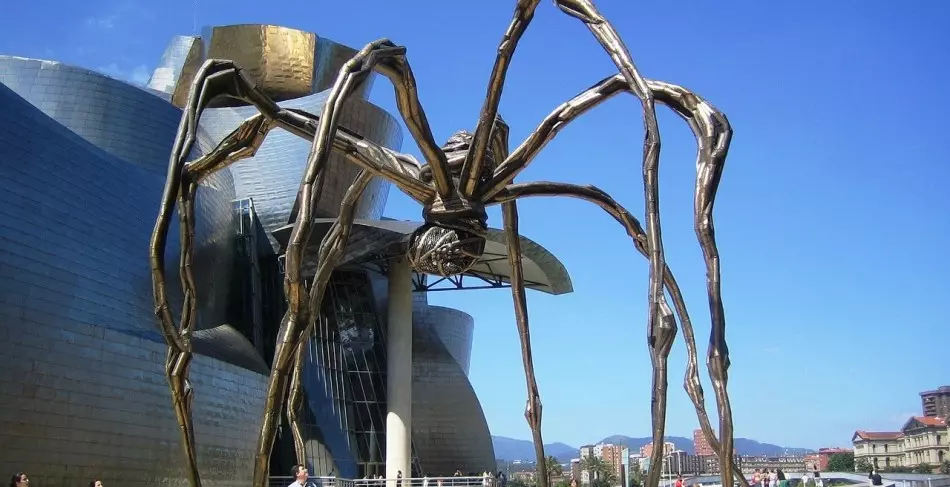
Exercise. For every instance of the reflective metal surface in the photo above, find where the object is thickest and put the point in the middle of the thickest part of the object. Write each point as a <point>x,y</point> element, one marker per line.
<point>96,108</point>
<point>272,176</point>
<point>279,60</point>
<point>81,368</point>
<point>449,430</point>
<point>75,309</point>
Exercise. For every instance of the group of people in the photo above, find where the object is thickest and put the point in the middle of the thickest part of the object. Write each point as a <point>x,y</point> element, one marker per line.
<point>302,479</point>
<point>21,479</point>
<point>769,478</point>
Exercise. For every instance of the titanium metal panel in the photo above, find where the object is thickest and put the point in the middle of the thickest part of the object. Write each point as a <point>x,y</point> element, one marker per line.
<point>83,387</point>
<point>454,328</point>
<point>109,114</point>
<point>127,122</point>
<point>272,177</point>
<point>449,430</point>
<point>181,60</point>
<point>280,60</point>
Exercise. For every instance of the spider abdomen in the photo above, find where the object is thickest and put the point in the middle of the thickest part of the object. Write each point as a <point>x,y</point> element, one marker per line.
<point>444,251</point>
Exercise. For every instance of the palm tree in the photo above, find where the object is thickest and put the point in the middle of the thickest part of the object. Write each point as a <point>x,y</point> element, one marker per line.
<point>598,470</point>
<point>552,467</point>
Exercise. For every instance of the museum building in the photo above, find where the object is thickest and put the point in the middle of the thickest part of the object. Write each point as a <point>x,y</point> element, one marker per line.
<point>83,159</point>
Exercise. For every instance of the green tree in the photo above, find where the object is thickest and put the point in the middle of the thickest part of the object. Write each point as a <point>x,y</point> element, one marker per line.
<point>863,465</point>
<point>517,483</point>
<point>635,476</point>
<point>923,468</point>
<point>552,468</point>
<point>945,467</point>
<point>597,469</point>
<point>841,462</point>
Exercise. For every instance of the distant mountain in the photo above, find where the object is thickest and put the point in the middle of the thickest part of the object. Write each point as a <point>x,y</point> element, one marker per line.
<point>511,449</point>
<point>743,446</point>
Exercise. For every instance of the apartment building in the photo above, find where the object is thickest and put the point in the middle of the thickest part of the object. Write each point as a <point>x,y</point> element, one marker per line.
<point>936,403</point>
<point>701,444</point>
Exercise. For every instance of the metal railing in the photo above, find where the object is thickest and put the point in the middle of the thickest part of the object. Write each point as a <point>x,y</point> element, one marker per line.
<point>480,481</point>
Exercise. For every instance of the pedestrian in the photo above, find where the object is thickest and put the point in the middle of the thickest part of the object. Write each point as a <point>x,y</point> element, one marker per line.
<point>20,480</point>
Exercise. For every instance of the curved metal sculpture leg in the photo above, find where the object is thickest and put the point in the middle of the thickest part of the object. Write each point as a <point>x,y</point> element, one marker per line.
<point>636,232</point>
<point>532,412</point>
<point>586,12</point>
<point>298,321</point>
<point>713,134</point>
<point>295,396</point>
<point>181,185</point>
<point>475,158</point>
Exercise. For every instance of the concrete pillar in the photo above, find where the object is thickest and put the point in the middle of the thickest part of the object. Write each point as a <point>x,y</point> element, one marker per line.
<point>399,372</point>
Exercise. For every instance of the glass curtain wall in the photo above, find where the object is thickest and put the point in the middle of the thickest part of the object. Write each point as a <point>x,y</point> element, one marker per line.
<point>349,343</point>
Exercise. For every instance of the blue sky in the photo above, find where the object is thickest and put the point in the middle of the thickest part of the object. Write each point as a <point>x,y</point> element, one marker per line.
<point>831,214</point>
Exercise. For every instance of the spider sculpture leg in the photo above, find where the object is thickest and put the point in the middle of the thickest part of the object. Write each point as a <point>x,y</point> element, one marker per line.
<point>636,232</point>
<point>586,12</point>
<point>181,185</point>
<point>217,78</point>
<point>475,158</point>
<point>294,401</point>
<point>390,60</point>
<point>290,345</point>
<point>713,134</point>
<point>532,410</point>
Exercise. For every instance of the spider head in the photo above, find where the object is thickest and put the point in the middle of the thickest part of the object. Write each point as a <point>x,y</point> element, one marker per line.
<point>446,251</point>
<point>457,147</point>
<point>455,150</point>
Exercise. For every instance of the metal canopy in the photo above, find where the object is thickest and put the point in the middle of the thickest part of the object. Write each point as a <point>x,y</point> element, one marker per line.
<point>373,242</point>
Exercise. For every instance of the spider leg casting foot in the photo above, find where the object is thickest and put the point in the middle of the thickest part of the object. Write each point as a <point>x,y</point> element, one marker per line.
<point>295,397</point>
<point>177,364</point>
<point>532,411</point>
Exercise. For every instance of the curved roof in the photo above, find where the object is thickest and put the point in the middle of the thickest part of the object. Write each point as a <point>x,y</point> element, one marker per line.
<point>373,239</point>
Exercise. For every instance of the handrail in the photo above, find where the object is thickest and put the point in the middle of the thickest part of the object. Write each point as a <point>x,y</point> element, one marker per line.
<point>319,481</point>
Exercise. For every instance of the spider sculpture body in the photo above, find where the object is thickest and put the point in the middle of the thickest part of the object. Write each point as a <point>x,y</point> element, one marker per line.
<point>459,180</point>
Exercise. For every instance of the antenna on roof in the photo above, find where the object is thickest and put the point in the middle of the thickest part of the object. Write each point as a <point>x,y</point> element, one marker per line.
<point>195,18</point>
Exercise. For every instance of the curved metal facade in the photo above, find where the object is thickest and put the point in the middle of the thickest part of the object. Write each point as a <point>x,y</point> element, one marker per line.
<point>453,328</point>
<point>181,54</point>
<point>82,165</point>
<point>274,56</point>
<point>83,367</point>
<point>127,122</point>
<point>449,430</point>
<point>272,177</point>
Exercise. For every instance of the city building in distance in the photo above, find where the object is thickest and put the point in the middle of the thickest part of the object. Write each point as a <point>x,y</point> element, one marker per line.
<point>936,402</point>
<point>700,445</point>
<point>83,162</point>
<point>647,450</point>
<point>922,444</point>
<point>880,449</point>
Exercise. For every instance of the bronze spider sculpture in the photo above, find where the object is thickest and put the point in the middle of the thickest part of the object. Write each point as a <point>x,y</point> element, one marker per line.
<point>459,180</point>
